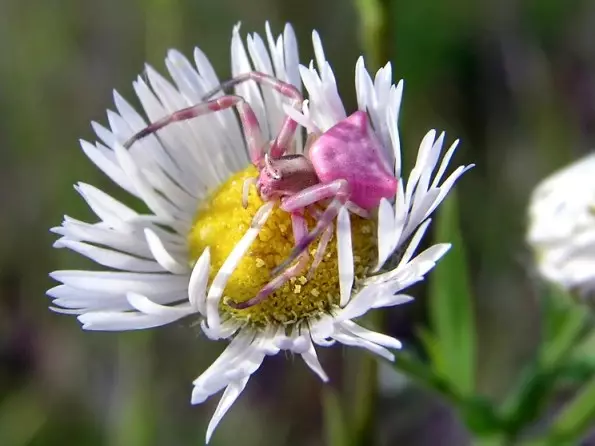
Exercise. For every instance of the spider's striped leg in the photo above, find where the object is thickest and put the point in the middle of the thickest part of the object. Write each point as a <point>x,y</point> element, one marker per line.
<point>252,131</point>
<point>289,126</point>
<point>300,230</point>
<point>338,190</point>
<point>325,238</point>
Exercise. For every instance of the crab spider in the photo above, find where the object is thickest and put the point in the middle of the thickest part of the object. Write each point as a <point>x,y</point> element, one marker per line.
<point>345,165</point>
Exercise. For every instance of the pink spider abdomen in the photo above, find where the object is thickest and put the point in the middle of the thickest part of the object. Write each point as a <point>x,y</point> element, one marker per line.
<point>349,150</point>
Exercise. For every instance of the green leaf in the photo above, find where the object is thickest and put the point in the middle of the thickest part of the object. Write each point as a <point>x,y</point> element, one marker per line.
<point>585,350</point>
<point>576,418</point>
<point>481,418</point>
<point>432,348</point>
<point>478,413</point>
<point>530,398</point>
<point>418,372</point>
<point>451,307</point>
<point>565,322</point>
<point>336,429</point>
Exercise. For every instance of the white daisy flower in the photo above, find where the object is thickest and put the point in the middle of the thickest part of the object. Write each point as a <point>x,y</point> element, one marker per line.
<point>562,226</point>
<point>197,248</point>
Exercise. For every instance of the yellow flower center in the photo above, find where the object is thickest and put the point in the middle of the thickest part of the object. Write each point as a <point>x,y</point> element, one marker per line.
<point>221,222</point>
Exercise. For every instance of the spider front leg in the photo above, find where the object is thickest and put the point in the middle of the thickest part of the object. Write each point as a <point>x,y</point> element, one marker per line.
<point>339,190</point>
<point>289,126</point>
<point>300,230</point>
<point>249,121</point>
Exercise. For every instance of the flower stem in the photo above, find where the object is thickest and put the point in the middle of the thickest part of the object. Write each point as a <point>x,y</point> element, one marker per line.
<point>373,31</point>
<point>366,388</point>
<point>132,416</point>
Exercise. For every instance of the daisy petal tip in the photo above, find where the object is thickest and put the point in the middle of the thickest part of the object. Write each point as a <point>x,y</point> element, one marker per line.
<point>55,309</point>
<point>197,397</point>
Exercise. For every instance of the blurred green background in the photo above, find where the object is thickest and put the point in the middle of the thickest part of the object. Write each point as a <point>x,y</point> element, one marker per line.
<point>515,80</point>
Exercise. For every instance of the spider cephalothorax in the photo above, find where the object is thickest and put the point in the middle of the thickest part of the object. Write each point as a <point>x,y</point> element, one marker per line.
<point>343,166</point>
<point>285,176</point>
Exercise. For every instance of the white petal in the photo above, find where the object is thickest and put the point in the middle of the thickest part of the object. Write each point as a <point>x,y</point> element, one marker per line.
<point>344,255</point>
<point>101,234</point>
<point>119,282</point>
<point>199,279</point>
<point>290,50</point>
<point>345,337</point>
<point>424,148</point>
<point>231,262</point>
<point>392,118</point>
<point>386,226</point>
<point>110,258</point>
<point>163,257</point>
<point>390,300</point>
<point>415,241</point>
<point>229,397</point>
<point>372,336</point>
<point>119,321</point>
<point>248,90</point>
<point>311,359</point>
<point>318,51</point>
<point>108,166</point>
<point>226,330</point>
<point>147,306</point>
<point>108,209</point>
<point>444,164</point>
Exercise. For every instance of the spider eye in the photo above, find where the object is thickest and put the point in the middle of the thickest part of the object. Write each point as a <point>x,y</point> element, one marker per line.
<point>273,174</point>
<point>270,170</point>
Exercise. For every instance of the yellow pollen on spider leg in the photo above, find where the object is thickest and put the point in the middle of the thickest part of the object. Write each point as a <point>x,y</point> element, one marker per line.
<point>221,222</point>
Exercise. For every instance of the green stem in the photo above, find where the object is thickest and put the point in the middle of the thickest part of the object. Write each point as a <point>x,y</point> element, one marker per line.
<point>133,414</point>
<point>336,429</point>
<point>366,387</point>
<point>373,31</point>
<point>362,376</point>
<point>373,34</point>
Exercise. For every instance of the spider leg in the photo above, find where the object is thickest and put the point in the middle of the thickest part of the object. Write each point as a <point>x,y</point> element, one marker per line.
<point>246,190</point>
<point>357,210</point>
<point>300,230</point>
<point>249,121</point>
<point>289,126</point>
<point>325,238</point>
<point>338,190</point>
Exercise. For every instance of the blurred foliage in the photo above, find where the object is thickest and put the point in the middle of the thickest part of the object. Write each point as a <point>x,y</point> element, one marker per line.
<point>515,80</point>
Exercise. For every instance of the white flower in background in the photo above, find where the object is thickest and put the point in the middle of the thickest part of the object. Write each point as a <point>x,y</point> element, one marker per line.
<point>562,226</point>
<point>195,247</point>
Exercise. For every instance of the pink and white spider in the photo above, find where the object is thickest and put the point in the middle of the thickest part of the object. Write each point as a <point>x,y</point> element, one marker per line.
<point>345,165</point>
